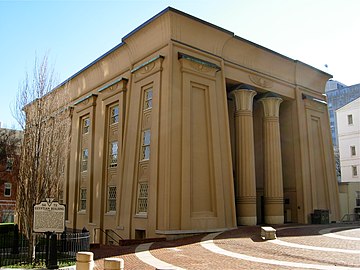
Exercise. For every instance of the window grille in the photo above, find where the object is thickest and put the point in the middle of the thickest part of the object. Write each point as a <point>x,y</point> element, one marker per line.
<point>148,99</point>
<point>7,189</point>
<point>142,198</point>
<point>114,115</point>
<point>84,161</point>
<point>145,148</point>
<point>86,125</point>
<point>113,154</point>
<point>112,198</point>
<point>350,119</point>
<point>82,199</point>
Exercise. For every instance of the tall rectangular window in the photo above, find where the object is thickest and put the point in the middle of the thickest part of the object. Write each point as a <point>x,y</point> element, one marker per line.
<point>82,205</point>
<point>86,125</point>
<point>9,164</point>
<point>145,148</point>
<point>112,198</point>
<point>84,160</point>
<point>354,171</point>
<point>357,198</point>
<point>142,205</point>
<point>148,99</point>
<point>350,119</point>
<point>353,150</point>
<point>7,189</point>
<point>114,115</point>
<point>113,158</point>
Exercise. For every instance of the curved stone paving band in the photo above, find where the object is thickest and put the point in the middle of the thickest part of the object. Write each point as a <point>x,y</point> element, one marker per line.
<point>326,232</point>
<point>143,253</point>
<point>208,243</point>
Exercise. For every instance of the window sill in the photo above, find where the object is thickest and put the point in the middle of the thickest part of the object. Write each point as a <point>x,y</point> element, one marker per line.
<point>144,216</point>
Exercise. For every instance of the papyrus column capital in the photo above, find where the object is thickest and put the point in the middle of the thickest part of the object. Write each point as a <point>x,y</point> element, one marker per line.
<point>243,99</point>
<point>271,106</point>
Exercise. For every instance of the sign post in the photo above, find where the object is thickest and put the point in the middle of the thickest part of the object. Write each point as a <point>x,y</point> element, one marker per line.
<point>49,218</point>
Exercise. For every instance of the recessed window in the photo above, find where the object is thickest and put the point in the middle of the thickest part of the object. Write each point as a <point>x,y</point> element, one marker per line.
<point>86,125</point>
<point>112,198</point>
<point>353,150</point>
<point>354,171</point>
<point>142,205</point>
<point>114,115</point>
<point>82,205</point>
<point>84,160</point>
<point>148,99</point>
<point>350,119</point>
<point>113,158</point>
<point>7,189</point>
<point>145,148</point>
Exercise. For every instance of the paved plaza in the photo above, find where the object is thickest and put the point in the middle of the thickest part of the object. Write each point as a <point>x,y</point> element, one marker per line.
<point>328,247</point>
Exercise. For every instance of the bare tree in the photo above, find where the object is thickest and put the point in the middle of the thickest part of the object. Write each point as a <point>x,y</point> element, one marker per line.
<point>42,112</point>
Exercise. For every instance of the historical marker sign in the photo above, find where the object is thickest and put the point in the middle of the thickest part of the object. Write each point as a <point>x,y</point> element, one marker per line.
<point>49,216</point>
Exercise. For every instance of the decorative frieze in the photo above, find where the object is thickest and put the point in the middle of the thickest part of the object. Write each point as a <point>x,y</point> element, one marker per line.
<point>261,81</point>
<point>193,64</point>
<point>148,68</point>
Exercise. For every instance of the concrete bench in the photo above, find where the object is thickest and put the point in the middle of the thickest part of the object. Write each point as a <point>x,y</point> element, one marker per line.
<point>268,233</point>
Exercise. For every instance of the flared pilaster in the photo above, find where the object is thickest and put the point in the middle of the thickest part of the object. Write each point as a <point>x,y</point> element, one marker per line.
<point>273,180</point>
<point>245,157</point>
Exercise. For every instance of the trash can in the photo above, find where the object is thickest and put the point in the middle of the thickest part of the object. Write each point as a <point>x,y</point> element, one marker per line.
<point>315,219</point>
<point>321,216</point>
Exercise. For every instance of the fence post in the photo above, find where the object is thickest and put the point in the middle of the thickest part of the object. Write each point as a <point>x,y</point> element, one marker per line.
<point>113,264</point>
<point>53,252</point>
<point>15,249</point>
<point>84,260</point>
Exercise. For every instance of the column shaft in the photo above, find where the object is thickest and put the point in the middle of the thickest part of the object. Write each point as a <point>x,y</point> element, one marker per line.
<point>273,180</point>
<point>245,158</point>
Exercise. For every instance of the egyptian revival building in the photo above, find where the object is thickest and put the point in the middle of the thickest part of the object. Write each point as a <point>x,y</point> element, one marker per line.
<point>185,127</point>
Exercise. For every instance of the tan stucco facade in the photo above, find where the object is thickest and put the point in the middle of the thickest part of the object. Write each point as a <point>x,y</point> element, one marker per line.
<point>185,127</point>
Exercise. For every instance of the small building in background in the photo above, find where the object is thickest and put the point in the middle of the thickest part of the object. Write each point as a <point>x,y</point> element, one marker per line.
<point>338,95</point>
<point>10,146</point>
<point>348,127</point>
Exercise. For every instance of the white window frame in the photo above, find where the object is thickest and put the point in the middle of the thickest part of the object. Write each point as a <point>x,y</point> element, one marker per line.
<point>148,97</point>
<point>7,186</point>
<point>114,114</point>
<point>145,145</point>
<point>113,153</point>
<point>84,159</point>
<point>86,125</point>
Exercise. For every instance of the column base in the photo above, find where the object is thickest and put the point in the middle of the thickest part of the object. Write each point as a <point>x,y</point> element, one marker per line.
<point>274,219</point>
<point>247,221</point>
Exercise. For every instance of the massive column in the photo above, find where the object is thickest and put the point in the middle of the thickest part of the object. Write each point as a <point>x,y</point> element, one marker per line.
<point>273,180</point>
<point>245,157</point>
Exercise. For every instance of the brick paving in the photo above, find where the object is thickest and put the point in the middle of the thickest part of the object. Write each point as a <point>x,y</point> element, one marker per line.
<point>188,253</point>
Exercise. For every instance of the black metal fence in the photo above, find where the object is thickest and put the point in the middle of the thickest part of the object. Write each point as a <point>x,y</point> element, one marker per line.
<point>14,247</point>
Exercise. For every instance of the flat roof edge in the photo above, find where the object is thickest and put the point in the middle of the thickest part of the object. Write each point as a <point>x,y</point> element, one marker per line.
<point>180,13</point>
<point>89,65</point>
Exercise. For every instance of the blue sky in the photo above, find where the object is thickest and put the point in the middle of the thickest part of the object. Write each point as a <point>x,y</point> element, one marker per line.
<point>74,33</point>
